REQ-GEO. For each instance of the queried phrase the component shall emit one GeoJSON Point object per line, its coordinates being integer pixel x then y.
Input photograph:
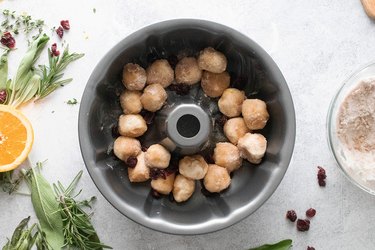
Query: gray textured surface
{"type": "Point", "coordinates": [316, 44]}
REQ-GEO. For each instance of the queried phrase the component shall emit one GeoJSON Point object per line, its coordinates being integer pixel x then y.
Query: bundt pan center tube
{"type": "Point", "coordinates": [186, 125]}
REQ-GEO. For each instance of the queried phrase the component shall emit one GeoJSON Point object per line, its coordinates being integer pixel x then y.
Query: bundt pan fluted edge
{"type": "Point", "coordinates": [251, 185]}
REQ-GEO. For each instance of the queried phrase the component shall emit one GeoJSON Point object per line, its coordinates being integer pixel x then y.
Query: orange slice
{"type": "Point", "coordinates": [16, 138]}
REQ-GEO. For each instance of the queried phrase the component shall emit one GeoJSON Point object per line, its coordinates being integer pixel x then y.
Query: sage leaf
{"type": "Point", "coordinates": [282, 245]}
{"type": "Point", "coordinates": [3, 70]}
{"type": "Point", "coordinates": [18, 231]}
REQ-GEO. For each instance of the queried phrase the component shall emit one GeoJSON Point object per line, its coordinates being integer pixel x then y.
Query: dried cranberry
{"type": "Point", "coordinates": [65, 24]}
{"type": "Point", "coordinates": [291, 215]}
{"type": "Point", "coordinates": [221, 120]}
{"type": "Point", "coordinates": [321, 176]}
{"type": "Point", "coordinates": [310, 212]}
{"type": "Point", "coordinates": [303, 225]}
{"type": "Point", "coordinates": [54, 51]}
{"type": "Point", "coordinates": [131, 162]}
{"type": "Point", "coordinates": [322, 183]}
{"type": "Point", "coordinates": [8, 40]}
{"type": "Point", "coordinates": [60, 31]}
{"type": "Point", "coordinates": [180, 89]}
{"type": "Point", "coordinates": [148, 116]}
{"type": "Point", "coordinates": [3, 96]}
{"type": "Point", "coordinates": [144, 148]}
{"type": "Point", "coordinates": [156, 173]}
{"type": "Point", "coordinates": [114, 131]}
{"type": "Point", "coordinates": [155, 194]}
{"type": "Point", "coordinates": [310, 248]}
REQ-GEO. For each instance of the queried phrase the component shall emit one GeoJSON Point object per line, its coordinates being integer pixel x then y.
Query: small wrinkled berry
{"type": "Point", "coordinates": [8, 40]}
{"type": "Point", "coordinates": [321, 176]}
{"type": "Point", "coordinates": [310, 248]}
{"type": "Point", "coordinates": [60, 31]}
{"type": "Point", "coordinates": [291, 215]}
{"type": "Point", "coordinates": [54, 51]}
{"type": "Point", "coordinates": [303, 225]}
{"type": "Point", "coordinates": [310, 212]}
{"type": "Point", "coordinates": [131, 162]}
{"type": "Point", "coordinates": [65, 24]}
{"type": "Point", "coordinates": [3, 96]}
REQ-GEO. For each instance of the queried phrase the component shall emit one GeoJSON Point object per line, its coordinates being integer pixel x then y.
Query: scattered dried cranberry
{"type": "Point", "coordinates": [54, 51]}
{"type": "Point", "coordinates": [221, 120]}
{"type": "Point", "coordinates": [156, 173]}
{"type": "Point", "coordinates": [148, 116]}
{"type": "Point", "coordinates": [321, 176]}
{"type": "Point", "coordinates": [3, 96]}
{"type": "Point", "coordinates": [155, 194]}
{"type": "Point", "coordinates": [131, 162]}
{"type": "Point", "coordinates": [60, 31]}
{"type": "Point", "coordinates": [310, 248]}
{"type": "Point", "coordinates": [8, 40]}
{"type": "Point", "coordinates": [144, 148]}
{"type": "Point", "coordinates": [303, 225]}
{"type": "Point", "coordinates": [180, 89]}
{"type": "Point", "coordinates": [291, 215]}
{"type": "Point", "coordinates": [310, 212]}
{"type": "Point", "coordinates": [115, 132]}
{"type": "Point", "coordinates": [65, 24]}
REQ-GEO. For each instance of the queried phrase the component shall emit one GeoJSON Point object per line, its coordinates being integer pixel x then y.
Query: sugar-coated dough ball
{"type": "Point", "coordinates": [216, 179]}
{"type": "Point", "coordinates": [193, 167]}
{"type": "Point", "coordinates": [227, 155]}
{"type": "Point", "coordinates": [153, 97]}
{"type": "Point", "coordinates": [183, 188]}
{"type": "Point", "coordinates": [214, 84]}
{"type": "Point", "coordinates": [234, 129]}
{"type": "Point", "coordinates": [255, 114]}
{"type": "Point", "coordinates": [230, 103]}
{"type": "Point", "coordinates": [252, 147]}
{"type": "Point", "coordinates": [125, 147]}
{"type": "Point", "coordinates": [134, 77]}
{"type": "Point", "coordinates": [212, 60]}
{"type": "Point", "coordinates": [163, 186]}
{"type": "Point", "coordinates": [131, 102]}
{"type": "Point", "coordinates": [140, 172]}
{"type": "Point", "coordinates": [187, 71]}
{"type": "Point", "coordinates": [132, 125]}
{"type": "Point", "coordinates": [157, 156]}
{"type": "Point", "coordinates": [160, 72]}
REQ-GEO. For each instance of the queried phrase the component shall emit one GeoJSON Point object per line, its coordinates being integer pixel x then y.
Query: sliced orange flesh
{"type": "Point", "coordinates": [16, 138]}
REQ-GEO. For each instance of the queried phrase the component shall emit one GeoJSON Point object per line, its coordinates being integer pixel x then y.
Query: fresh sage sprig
{"type": "Point", "coordinates": [282, 245]}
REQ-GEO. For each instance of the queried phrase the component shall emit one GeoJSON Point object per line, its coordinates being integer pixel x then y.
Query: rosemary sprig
{"type": "Point", "coordinates": [9, 182]}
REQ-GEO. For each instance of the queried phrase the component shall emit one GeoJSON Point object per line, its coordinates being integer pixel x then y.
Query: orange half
{"type": "Point", "coordinates": [16, 138]}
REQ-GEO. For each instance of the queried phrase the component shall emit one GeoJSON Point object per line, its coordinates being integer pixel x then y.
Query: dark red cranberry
{"type": "Point", "coordinates": [156, 173]}
{"type": "Point", "coordinates": [310, 212]}
{"type": "Point", "coordinates": [310, 248]}
{"type": "Point", "coordinates": [180, 89]}
{"type": "Point", "coordinates": [131, 162]}
{"type": "Point", "coordinates": [322, 183]}
{"type": "Point", "coordinates": [114, 131]}
{"type": "Point", "coordinates": [221, 120]}
{"type": "Point", "coordinates": [65, 24]}
{"type": "Point", "coordinates": [303, 225]}
{"type": "Point", "coordinates": [54, 51]}
{"type": "Point", "coordinates": [8, 40]}
{"type": "Point", "coordinates": [291, 215]}
{"type": "Point", "coordinates": [155, 194]}
{"type": "Point", "coordinates": [3, 96]}
{"type": "Point", "coordinates": [321, 176]}
{"type": "Point", "coordinates": [144, 148]}
{"type": "Point", "coordinates": [60, 31]}
{"type": "Point", "coordinates": [148, 116]}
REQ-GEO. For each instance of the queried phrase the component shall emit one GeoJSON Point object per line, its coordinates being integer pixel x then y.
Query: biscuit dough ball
{"type": "Point", "coordinates": [183, 188]}
{"type": "Point", "coordinates": [193, 167]}
{"type": "Point", "coordinates": [157, 156]}
{"type": "Point", "coordinates": [214, 84]}
{"type": "Point", "coordinates": [153, 97]}
{"type": "Point", "coordinates": [160, 72]}
{"type": "Point", "coordinates": [131, 102]}
{"type": "Point", "coordinates": [140, 172]}
{"type": "Point", "coordinates": [252, 147]}
{"type": "Point", "coordinates": [216, 179]}
{"type": "Point", "coordinates": [212, 60]}
{"type": "Point", "coordinates": [125, 147]}
{"type": "Point", "coordinates": [227, 155]}
{"type": "Point", "coordinates": [234, 129]}
{"type": "Point", "coordinates": [134, 77]}
{"type": "Point", "coordinates": [255, 113]}
{"type": "Point", "coordinates": [132, 125]}
{"type": "Point", "coordinates": [163, 186]}
{"type": "Point", "coordinates": [230, 103]}
{"type": "Point", "coordinates": [187, 71]}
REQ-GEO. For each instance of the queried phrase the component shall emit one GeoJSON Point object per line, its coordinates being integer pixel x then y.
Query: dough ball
{"type": "Point", "coordinates": [183, 188]}
{"type": "Point", "coordinates": [125, 147]}
{"type": "Point", "coordinates": [193, 167]}
{"type": "Point", "coordinates": [140, 172]}
{"type": "Point", "coordinates": [216, 179]}
{"type": "Point", "coordinates": [163, 186]}
{"type": "Point", "coordinates": [132, 125]}
{"type": "Point", "coordinates": [214, 84]}
{"type": "Point", "coordinates": [254, 111]}
{"type": "Point", "coordinates": [187, 71]}
{"type": "Point", "coordinates": [252, 147]}
{"type": "Point", "coordinates": [157, 156]}
{"type": "Point", "coordinates": [234, 129]}
{"type": "Point", "coordinates": [131, 102]}
{"type": "Point", "coordinates": [134, 77]}
{"type": "Point", "coordinates": [160, 72]}
{"type": "Point", "coordinates": [153, 97]}
{"type": "Point", "coordinates": [227, 155]}
{"type": "Point", "coordinates": [230, 103]}
{"type": "Point", "coordinates": [212, 60]}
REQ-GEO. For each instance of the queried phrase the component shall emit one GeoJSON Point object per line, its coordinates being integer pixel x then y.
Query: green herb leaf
{"type": "Point", "coordinates": [282, 245]}
{"type": "Point", "coordinates": [9, 182]}
{"type": "Point", "coordinates": [23, 238]}
{"type": "Point", "coordinates": [4, 70]}
{"type": "Point", "coordinates": [72, 101]}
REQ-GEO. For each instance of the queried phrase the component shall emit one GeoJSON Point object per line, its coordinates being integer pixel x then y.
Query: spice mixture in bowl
{"type": "Point", "coordinates": [351, 128]}
{"type": "Point", "coordinates": [160, 126]}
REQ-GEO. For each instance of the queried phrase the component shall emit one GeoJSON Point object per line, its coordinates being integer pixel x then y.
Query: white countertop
{"type": "Point", "coordinates": [316, 44]}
